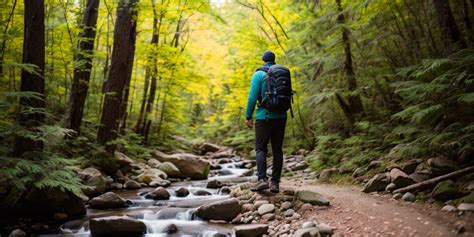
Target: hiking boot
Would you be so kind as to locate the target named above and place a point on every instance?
(275, 187)
(260, 186)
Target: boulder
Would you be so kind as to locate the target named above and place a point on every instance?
(408, 197)
(390, 187)
(107, 200)
(171, 229)
(52, 200)
(154, 163)
(358, 172)
(399, 178)
(214, 184)
(377, 183)
(225, 191)
(170, 169)
(158, 182)
(93, 178)
(446, 190)
(208, 147)
(374, 164)
(441, 165)
(151, 175)
(311, 198)
(308, 224)
(225, 210)
(326, 174)
(202, 192)
(116, 226)
(159, 193)
(181, 192)
(466, 207)
(248, 207)
(419, 177)
(17, 233)
(252, 230)
(468, 198)
(123, 159)
(266, 208)
(131, 184)
(409, 167)
(189, 165)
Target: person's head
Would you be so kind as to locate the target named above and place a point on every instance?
(268, 57)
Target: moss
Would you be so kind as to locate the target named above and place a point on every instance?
(467, 199)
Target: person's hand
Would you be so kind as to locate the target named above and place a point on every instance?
(249, 123)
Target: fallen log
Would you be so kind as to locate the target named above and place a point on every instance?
(430, 183)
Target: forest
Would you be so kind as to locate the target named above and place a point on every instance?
(377, 82)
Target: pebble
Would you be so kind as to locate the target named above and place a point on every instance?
(308, 224)
(260, 202)
(449, 208)
(408, 197)
(266, 208)
(285, 206)
(289, 212)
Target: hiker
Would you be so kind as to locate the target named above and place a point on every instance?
(270, 120)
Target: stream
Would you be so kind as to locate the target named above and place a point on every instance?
(159, 215)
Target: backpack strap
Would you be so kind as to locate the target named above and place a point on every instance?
(263, 69)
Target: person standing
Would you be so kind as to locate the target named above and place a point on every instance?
(269, 127)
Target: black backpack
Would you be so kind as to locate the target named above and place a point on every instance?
(278, 96)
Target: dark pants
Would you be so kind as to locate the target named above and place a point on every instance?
(269, 130)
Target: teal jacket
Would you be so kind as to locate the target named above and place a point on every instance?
(257, 86)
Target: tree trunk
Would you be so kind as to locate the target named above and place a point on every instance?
(33, 53)
(4, 41)
(122, 57)
(450, 34)
(82, 72)
(354, 101)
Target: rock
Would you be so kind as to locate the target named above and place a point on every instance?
(214, 184)
(408, 197)
(466, 207)
(326, 174)
(93, 178)
(252, 230)
(116, 226)
(419, 177)
(307, 232)
(225, 210)
(131, 184)
(470, 186)
(171, 229)
(449, 208)
(154, 163)
(39, 228)
(397, 196)
(296, 216)
(119, 175)
(190, 166)
(248, 207)
(260, 202)
(123, 159)
(377, 183)
(306, 207)
(17, 233)
(308, 224)
(225, 190)
(181, 192)
(107, 200)
(374, 164)
(266, 208)
(325, 229)
(289, 192)
(399, 178)
(409, 167)
(468, 198)
(441, 165)
(285, 206)
(151, 175)
(158, 182)
(445, 190)
(312, 198)
(299, 166)
(170, 169)
(159, 193)
(390, 187)
(60, 216)
(289, 213)
(358, 172)
(208, 147)
(202, 193)
(51, 200)
(268, 217)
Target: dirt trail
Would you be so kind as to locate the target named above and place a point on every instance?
(355, 213)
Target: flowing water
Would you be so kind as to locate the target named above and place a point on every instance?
(158, 215)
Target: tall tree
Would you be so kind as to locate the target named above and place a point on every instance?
(120, 71)
(82, 70)
(354, 105)
(30, 115)
(450, 34)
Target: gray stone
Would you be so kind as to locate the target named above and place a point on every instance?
(466, 207)
(374, 164)
(358, 172)
(445, 190)
(266, 208)
(260, 202)
(441, 165)
(397, 196)
(325, 229)
(225, 191)
(285, 206)
(308, 224)
(312, 198)
(409, 167)
(225, 210)
(377, 183)
(289, 212)
(93, 178)
(170, 169)
(123, 159)
(269, 217)
(181, 192)
(131, 184)
(449, 208)
(307, 232)
(159, 193)
(390, 187)
(151, 175)
(252, 230)
(171, 229)
(116, 226)
(189, 165)
(214, 184)
(107, 200)
(408, 197)
(202, 193)
(17, 233)
(248, 207)
(289, 192)
(399, 178)
(306, 207)
(419, 177)
(154, 163)
(208, 147)
(326, 174)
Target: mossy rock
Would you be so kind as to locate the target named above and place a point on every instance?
(468, 199)
(445, 191)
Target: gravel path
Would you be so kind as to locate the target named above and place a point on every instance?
(354, 213)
